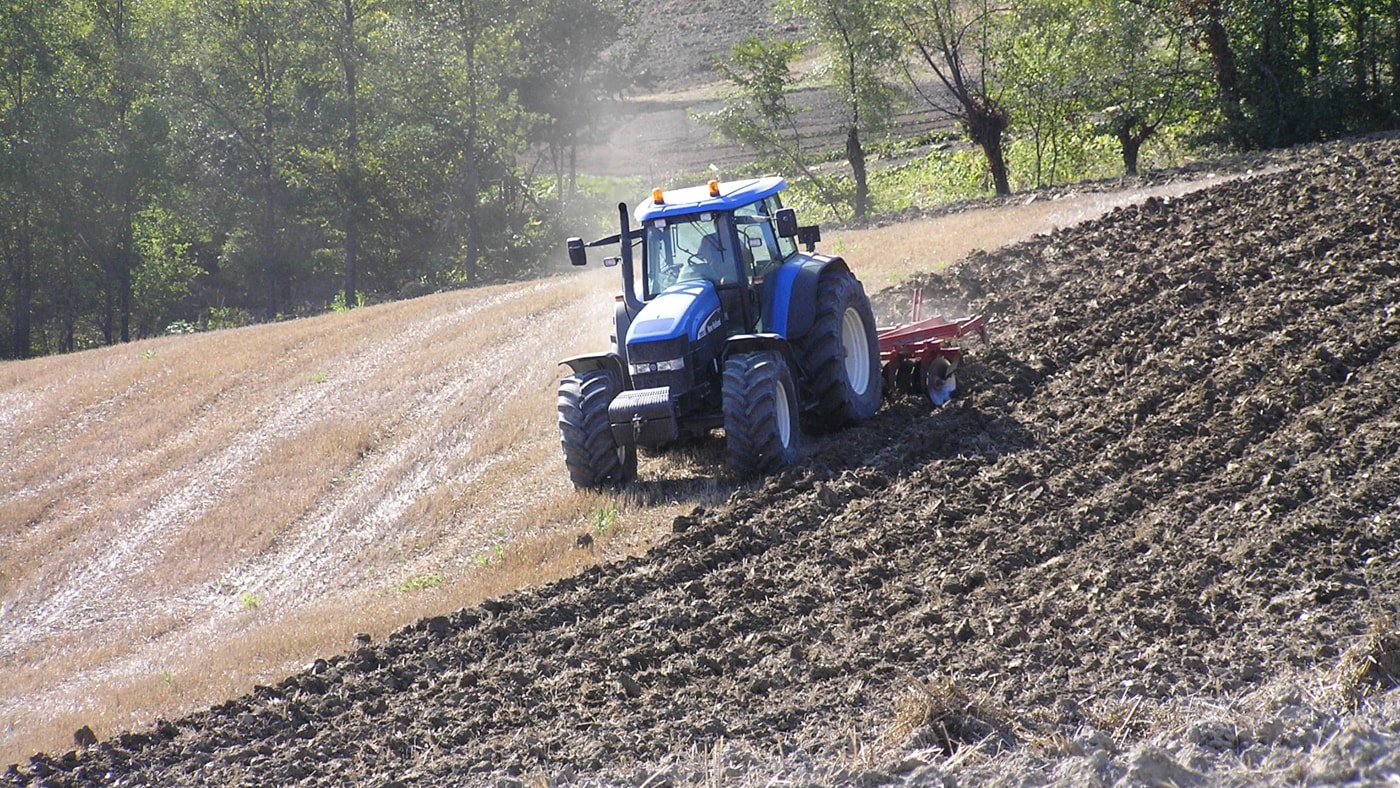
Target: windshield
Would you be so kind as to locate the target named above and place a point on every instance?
(688, 249)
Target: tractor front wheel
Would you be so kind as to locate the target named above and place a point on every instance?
(591, 453)
(841, 355)
(761, 425)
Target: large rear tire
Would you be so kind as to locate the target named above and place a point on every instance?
(761, 426)
(591, 453)
(841, 355)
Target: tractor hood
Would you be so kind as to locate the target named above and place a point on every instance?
(689, 311)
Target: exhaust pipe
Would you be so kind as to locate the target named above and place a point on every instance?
(629, 287)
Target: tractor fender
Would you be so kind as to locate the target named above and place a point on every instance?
(748, 343)
(622, 320)
(791, 302)
(611, 362)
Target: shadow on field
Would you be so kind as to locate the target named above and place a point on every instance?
(907, 432)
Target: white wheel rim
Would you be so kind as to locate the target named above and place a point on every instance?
(784, 414)
(857, 352)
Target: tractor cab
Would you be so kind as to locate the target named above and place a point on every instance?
(728, 237)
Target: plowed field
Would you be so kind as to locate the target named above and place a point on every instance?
(1154, 540)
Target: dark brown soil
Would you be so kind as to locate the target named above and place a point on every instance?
(1174, 474)
(681, 37)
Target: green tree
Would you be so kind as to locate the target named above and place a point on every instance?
(126, 158)
(859, 48)
(1146, 75)
(242, 75)
(759, 115)
(350, 34)
(1077, 69)
(31, 102)
(572, 61)
(166, 271)
(1206, 20)
(1050, 65)
(1290, 71)
(964, 45)
(458, 147)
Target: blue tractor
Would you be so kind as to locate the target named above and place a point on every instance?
(734, 327)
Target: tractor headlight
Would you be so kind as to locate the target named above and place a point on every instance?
(647, 367)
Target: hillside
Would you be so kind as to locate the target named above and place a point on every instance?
(189, 516)
(1155, 539)
(652, 133)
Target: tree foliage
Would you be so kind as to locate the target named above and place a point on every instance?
(759, 114)
(965, 45)
(1081, 69)
(200, 161)
(1290, 71)
(860, 49)
(163, 162)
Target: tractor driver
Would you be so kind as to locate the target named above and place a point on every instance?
(687, 250)
(705, 263)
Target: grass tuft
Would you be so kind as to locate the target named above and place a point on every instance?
(1372, 667)
(938, 712)
(419, 583)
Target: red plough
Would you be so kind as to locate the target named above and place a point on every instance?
(921, 356)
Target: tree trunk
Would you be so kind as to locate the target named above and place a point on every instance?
(1395, 57)
(124, 294)
(1359, 15)
(985, 127)
(351, 190)
(66, 340)
(1312, 45)
(109, 302)
(573, 165)
(124, 257)
(996, 162)
(1222, 57)
(1131, 145)
(115, 259)
(855, 153)
(23, 279)
(471, 185)
(277, 269)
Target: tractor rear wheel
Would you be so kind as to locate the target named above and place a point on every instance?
(841, 355)
(591, 453)
(761, 426)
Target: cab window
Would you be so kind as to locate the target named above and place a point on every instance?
(683, 249)
(759, 245)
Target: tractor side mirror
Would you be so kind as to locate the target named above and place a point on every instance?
(809, 236)
(577, 255)
(787, 222)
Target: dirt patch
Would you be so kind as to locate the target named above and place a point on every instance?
(1174, 475)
